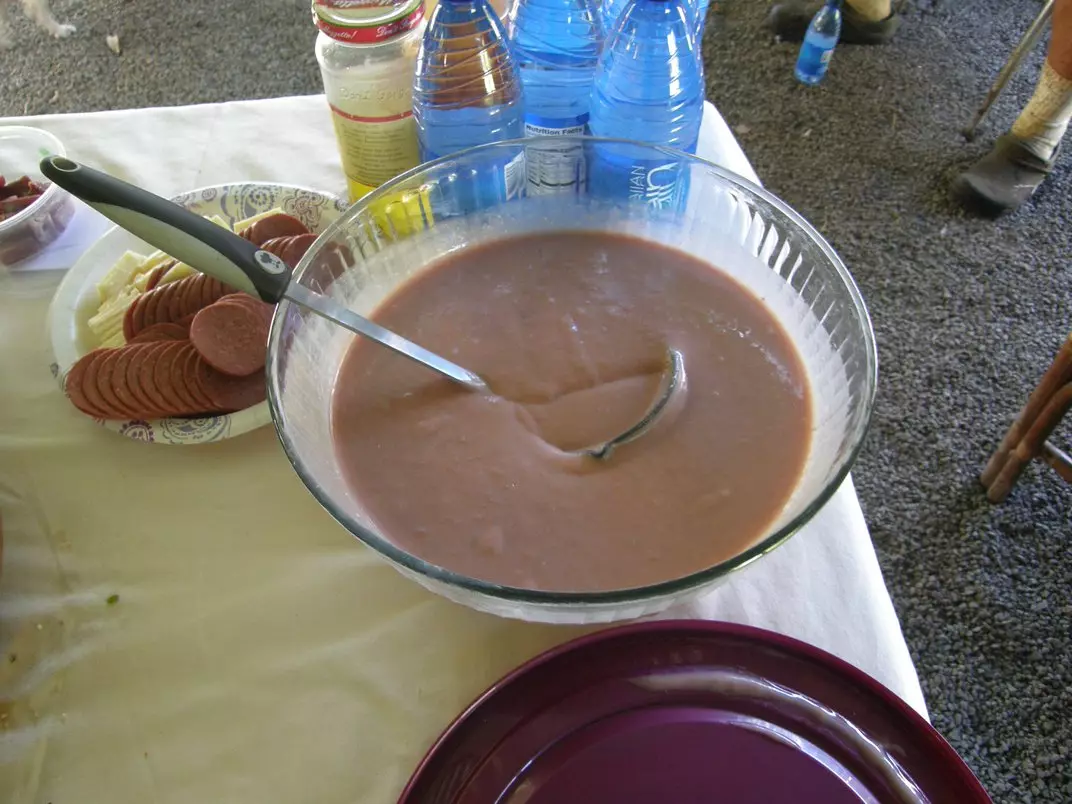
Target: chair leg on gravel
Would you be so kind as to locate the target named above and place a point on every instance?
(1026, 439)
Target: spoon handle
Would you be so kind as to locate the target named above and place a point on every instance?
(174, 230)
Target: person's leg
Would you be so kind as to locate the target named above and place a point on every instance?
(863, 22)
(1021, 159)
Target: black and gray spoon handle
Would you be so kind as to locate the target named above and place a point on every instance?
(174, 230)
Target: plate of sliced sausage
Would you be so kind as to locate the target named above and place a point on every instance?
(154, 350)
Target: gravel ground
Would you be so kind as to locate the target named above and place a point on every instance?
(968, 312)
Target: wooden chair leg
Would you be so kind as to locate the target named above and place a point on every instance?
(1057, 375)
(1031, 445)
(1059, 372)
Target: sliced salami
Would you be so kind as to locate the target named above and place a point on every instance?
(182, 384)
(162, 332)
(89, 384)
(132, 405)
(278, 225)
(296, 248)
(75, 385)
(193, 384)
(146, 368)
(128, 318)
(158, 273)
(162, 377)
(105, 384)
(152, 302)
(176, 307)
(277, 245)
(227, 393)
(159, 300)
(137, 310)
(231, 337)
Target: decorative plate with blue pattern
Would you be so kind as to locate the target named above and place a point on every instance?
(76, 299)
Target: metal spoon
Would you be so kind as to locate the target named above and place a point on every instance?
(237, 262)
(673, 382)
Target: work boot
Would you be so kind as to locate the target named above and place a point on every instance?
(789, 22)
(1004, 178)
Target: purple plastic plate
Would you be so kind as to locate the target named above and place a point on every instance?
(690, 712)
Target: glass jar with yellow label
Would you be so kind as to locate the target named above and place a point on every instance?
(367, 51)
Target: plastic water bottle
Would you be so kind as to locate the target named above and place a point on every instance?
(557, 45)
(613, 10)
(649, 86)
(819, 42)
(467, 92)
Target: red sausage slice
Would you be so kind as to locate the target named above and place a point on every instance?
(162, 332)
(162, 375)
(76, 387)
(190, 405)
(229, 394)
(231, 337)
(146, 368)
(278, 225)
(158, 273)
(89, 385)
(193, 384)
(128, 318)
(296, 249)
(106, 386)
(132, 406)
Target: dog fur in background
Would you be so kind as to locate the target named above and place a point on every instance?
(37, 10)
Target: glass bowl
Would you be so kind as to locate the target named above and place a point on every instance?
(30, 230)
(475, 196)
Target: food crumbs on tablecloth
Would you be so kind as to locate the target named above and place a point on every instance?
(13, 658)
(40, 627)
(113, 599)
(113, 43)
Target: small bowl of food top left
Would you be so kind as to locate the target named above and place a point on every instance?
(33, 212)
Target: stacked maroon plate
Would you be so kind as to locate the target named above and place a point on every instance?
(689, 712)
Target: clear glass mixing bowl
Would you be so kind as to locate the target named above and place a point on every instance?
(470, 198)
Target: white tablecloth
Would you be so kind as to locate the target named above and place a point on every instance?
(256, 653)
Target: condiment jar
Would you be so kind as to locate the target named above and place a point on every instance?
(367, 53)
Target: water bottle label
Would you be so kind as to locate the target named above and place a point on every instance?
(660, 184)
(656, 184)
(555, 168)
(514, 173)
(813, 61)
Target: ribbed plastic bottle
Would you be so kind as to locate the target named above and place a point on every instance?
(557, 45)
(649, 87)
(613, 10)
(467, 90)
(819, 43)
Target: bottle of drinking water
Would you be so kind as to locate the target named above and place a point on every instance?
(819, 42)
(467, 92)
(613, 10)
(557, 45)
(649, 86)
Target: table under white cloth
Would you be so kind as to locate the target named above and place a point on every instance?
(258, 653)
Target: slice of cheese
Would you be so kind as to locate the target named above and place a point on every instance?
(119, 275)
(178, 271)
(242, 225)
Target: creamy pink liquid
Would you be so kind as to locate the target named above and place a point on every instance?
(570, 330)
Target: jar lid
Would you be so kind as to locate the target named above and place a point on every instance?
(366, 22)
